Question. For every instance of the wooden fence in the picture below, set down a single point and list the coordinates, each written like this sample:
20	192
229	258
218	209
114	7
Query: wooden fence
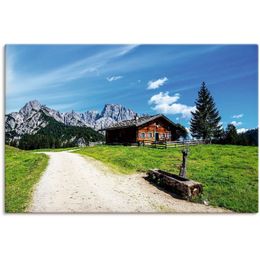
184	143
173	144
161	144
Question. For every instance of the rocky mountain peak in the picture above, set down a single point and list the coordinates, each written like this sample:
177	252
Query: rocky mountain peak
117	112
30	107
108	107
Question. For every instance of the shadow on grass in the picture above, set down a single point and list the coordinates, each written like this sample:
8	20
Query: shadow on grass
162	188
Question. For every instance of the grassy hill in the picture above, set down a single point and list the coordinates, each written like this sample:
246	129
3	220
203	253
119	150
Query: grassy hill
228	173
22	171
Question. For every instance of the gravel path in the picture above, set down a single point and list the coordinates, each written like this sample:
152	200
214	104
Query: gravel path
72	183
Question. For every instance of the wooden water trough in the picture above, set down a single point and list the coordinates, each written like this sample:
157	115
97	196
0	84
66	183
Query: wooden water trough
184	187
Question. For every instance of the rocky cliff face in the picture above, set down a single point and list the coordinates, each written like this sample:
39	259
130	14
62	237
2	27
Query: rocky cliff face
32	117
27	121
111	114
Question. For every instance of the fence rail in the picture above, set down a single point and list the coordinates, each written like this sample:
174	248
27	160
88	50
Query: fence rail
160	144
184	143
170	144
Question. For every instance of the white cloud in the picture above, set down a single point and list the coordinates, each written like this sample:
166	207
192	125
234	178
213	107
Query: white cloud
164	97
154	84
235	123
238	116
166	104
241	130
113	78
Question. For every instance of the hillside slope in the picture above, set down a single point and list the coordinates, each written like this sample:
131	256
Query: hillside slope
57	135
22	171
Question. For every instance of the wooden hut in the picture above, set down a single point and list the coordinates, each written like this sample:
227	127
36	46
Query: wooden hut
141	130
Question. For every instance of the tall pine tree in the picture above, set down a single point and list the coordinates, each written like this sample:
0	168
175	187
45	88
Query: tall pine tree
205	121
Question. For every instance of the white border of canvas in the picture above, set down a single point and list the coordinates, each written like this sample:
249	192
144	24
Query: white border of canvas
127	236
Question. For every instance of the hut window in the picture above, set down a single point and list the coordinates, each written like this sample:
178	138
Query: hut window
142	135
150	135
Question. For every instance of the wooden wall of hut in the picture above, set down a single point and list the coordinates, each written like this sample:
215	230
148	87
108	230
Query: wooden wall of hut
121	136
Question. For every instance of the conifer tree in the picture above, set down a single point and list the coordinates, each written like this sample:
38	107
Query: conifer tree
205	121
231	136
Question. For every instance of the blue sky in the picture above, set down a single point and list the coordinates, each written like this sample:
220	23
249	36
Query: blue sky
146	78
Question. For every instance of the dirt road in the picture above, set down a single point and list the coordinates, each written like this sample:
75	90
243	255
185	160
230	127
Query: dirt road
72	183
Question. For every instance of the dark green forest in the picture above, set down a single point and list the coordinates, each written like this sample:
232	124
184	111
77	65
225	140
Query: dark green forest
230	136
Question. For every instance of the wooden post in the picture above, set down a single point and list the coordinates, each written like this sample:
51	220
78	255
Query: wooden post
184	163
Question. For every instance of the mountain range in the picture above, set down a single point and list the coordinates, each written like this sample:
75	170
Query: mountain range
33	117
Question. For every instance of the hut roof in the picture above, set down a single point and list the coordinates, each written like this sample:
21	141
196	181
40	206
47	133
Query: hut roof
136	122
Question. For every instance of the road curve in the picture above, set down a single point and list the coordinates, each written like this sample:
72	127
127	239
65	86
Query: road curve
72	183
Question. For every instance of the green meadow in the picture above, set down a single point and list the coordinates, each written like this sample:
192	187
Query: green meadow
22	171
229	173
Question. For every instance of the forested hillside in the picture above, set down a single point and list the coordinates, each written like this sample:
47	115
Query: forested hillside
56	135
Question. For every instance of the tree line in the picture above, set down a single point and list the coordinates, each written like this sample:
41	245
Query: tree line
206	123
231	136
